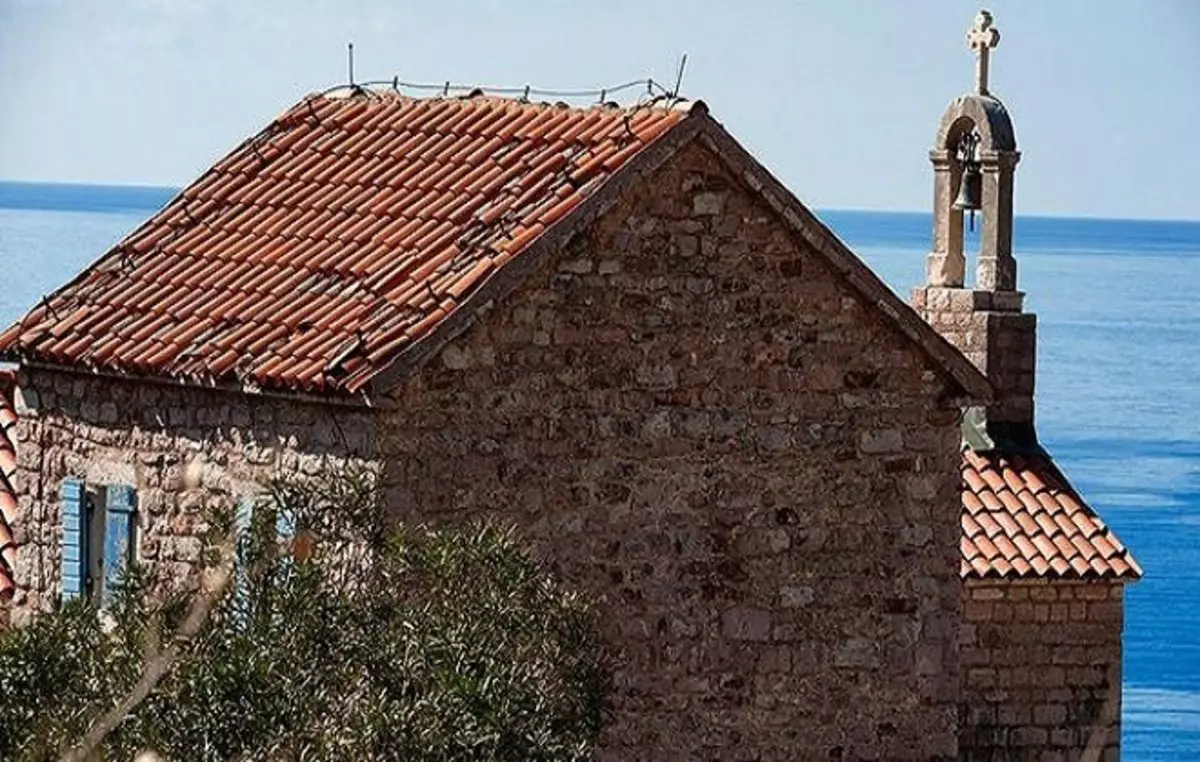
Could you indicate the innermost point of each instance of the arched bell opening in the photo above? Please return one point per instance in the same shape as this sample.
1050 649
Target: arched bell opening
973 158
964 148
969 197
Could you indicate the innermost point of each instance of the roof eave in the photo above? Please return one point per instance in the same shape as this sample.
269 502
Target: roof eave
337 397
1134 574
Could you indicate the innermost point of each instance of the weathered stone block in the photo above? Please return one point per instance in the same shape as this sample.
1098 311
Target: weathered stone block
579 266
881 441
455 357
858 653
796 597
709 203
746 624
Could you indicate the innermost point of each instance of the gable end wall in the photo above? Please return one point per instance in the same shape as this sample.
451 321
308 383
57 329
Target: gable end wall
753 473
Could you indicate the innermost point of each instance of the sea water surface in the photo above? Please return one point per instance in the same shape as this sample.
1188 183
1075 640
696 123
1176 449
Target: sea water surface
1118 390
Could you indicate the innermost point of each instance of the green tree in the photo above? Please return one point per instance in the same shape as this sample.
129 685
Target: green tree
317 636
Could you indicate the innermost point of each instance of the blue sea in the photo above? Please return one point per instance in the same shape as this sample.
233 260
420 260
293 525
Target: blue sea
1118 303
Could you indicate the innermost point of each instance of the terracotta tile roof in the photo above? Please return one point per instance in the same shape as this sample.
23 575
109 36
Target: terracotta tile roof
1022 518
344 232
327 247
8 493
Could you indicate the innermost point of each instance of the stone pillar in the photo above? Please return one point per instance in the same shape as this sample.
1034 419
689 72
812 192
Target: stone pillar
997 269
946 264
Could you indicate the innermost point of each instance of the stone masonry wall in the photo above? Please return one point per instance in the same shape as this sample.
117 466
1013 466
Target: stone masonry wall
1041 669
991 330
756 476
113 431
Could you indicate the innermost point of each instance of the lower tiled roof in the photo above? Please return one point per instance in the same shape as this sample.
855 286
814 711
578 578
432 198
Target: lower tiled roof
8 472
1022 519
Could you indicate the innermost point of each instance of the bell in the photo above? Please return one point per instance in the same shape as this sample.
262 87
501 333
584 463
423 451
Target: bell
969 190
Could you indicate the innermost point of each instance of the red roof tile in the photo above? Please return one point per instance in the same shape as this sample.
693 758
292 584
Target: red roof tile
8 473
1022 518
318 250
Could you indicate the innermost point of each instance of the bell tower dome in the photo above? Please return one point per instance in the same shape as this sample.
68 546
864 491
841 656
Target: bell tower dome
974 161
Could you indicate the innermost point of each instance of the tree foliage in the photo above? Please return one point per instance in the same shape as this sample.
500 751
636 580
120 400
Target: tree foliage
337 642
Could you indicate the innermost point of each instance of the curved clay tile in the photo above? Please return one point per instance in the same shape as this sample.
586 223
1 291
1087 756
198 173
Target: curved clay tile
1045 527
8 493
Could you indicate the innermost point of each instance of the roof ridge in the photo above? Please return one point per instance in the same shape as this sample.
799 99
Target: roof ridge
446 87
385 90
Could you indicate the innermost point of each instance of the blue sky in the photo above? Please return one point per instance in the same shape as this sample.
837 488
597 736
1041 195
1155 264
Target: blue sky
839 99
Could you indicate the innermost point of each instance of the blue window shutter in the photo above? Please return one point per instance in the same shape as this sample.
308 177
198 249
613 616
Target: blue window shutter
74 540
242 524
285 525
245 515
118 533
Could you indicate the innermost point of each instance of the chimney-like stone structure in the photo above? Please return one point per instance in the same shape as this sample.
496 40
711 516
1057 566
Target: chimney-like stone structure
987 322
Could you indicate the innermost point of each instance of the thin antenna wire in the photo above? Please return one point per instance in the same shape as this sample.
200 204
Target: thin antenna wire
446 88
679 76
350 61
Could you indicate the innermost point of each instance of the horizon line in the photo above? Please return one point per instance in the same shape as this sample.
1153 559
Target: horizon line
175 189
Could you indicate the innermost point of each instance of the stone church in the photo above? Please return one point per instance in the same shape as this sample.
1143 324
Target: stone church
816 518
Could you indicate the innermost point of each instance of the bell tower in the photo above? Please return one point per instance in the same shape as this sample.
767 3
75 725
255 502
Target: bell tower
974 161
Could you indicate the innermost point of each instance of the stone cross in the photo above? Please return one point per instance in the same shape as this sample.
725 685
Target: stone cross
981 38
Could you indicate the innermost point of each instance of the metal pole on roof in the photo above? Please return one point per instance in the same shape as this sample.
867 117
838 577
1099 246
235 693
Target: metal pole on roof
350 61
679 76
